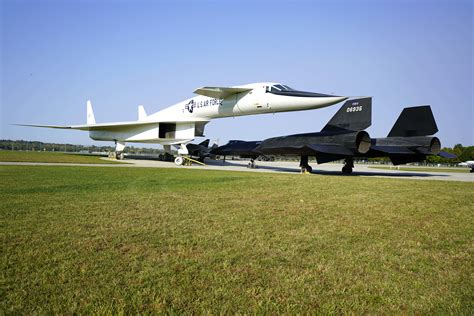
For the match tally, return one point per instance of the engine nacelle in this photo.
(435, 145)
(430, 143)
(363, 142)
(359, 142)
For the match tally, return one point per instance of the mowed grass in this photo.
(136, 240)
(422, 169)
(47, 156)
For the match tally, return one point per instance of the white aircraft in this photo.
(469, 164)
(182, 122)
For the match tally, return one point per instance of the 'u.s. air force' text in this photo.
(191, 105)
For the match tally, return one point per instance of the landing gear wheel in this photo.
(346, 170)
(348, 166)
(251, 164)
(168, 157)
(179, 161)
(304, 165)
(306, 169)
(118, 155)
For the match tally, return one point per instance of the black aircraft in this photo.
(342, 137)
(201, 150)
(409, 139)
(241, 148)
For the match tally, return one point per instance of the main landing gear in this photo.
(348, 166)
(165, 157)
(119, 147)
(252, 164)
(179, 161)
(304, 165)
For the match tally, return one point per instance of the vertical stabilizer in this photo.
(204, 143)
(141, 113)
(414, 121)
(90, 113)
(354, 115)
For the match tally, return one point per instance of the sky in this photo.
(56, 55)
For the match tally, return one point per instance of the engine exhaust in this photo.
(363, 142)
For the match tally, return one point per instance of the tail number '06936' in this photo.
(354, 109)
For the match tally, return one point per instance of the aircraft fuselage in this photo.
(185, 120)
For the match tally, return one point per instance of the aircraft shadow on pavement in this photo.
(331, 172)
(377, 173)
(219, 163)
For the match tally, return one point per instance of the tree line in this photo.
(462, 153)
(25, 145)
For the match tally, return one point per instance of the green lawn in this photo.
(422, 169)
(137, 240)
(47, 156)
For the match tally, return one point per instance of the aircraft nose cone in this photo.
(339, 99)
(333, 100)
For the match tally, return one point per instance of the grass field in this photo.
(137, 240)
(47, 156)
(422, 169)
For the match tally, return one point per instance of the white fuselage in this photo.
(469, 163)
(245, 103)
(184, 121)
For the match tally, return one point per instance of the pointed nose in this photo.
(326, 101)
(338, 99)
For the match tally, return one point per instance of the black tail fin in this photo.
(204, 143)
(354, 115)
(414, 121)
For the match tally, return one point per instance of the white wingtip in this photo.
(141, 113)
(90, 113)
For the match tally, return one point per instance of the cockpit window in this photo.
(278, 88)
(281, 87)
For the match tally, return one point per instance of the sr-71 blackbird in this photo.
(201, 150)
(344, 137)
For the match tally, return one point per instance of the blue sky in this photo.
(55, 55)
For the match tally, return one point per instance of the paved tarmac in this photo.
(290, 167)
